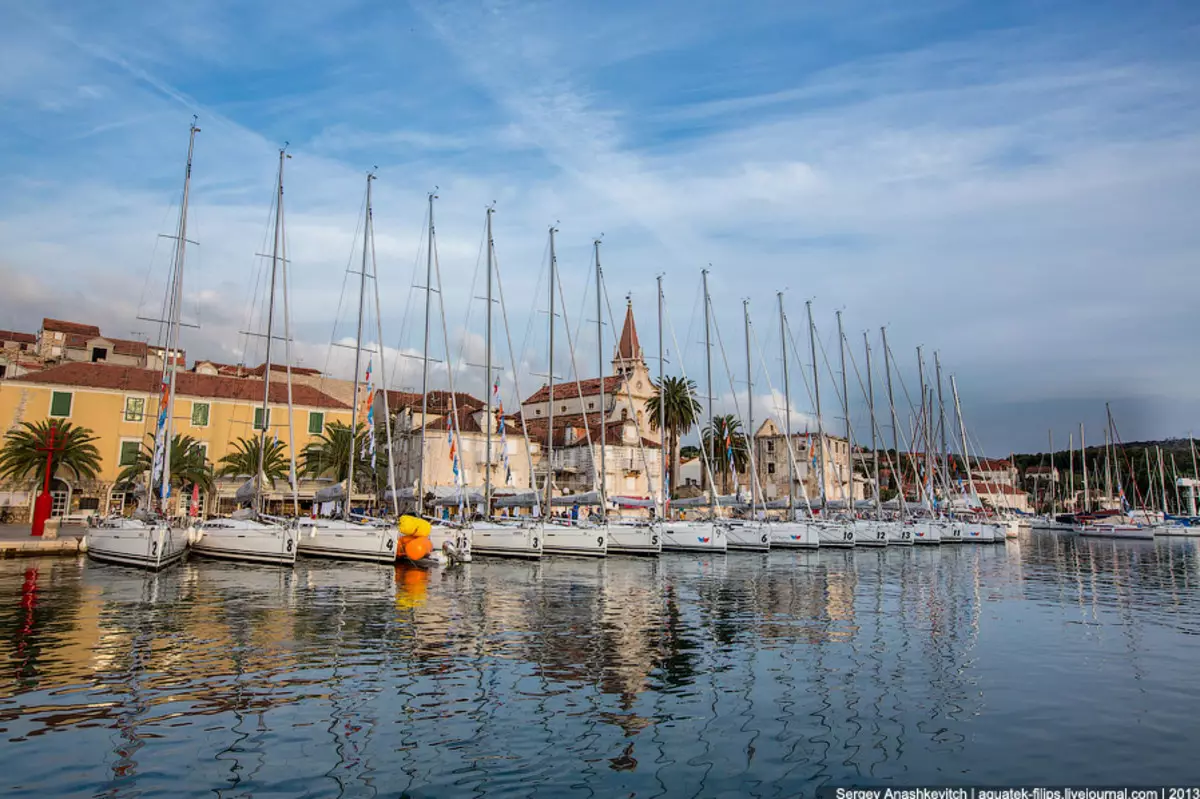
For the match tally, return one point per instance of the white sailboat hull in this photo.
(1177, 530)
(976, 533)
(693, 537)
(953, 532)
(898, 533)
(131, 542)
(748, 537)
(926, 533)
(834, 534)
(631, 539)
(246, 539)
(573, 539)
(458, 540)
(1123, 531)
(869, 534)
(794, 535)
(518, 540)
(341, 540)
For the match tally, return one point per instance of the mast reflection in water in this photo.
(1046, 660)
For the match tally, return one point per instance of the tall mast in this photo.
(1053, 476)
(1162, 480)
(173, 320)
(926, 415)
(387, 415)
(600, 371)
(712, 455)
(812, 345)
(425, 359)
(962, 429)
(550, 379)
(787, 410)
(266, 407)
(1108, 481)
(887, 371)
(362, 298)
(489, 420)
(749, 434)
(1071, 468)
(937, 364)
(1087, 500)
(662, 409)
(874, 440)
(849, 489)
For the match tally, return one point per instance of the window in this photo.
(60, 404)
(135, 409)
(99, 354)
(316, 423)
(770, 468)
(562, 408)
(538, 412)
(258, 419)
(3, 369)
(129, 453)
(200, 414)
(770, 446)
(89, 503)
(591, 405)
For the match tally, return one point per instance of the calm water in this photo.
(1045, 660)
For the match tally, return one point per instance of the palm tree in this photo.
(189, 464)
(23, 453)
(680, 411)
(329, 454)
(243, 461)
(714, 442)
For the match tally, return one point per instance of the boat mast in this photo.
(1053, 475)
(425, 359)
(266, 407)
(489, 420)
(848, 490)
(937, 364)
(887, 371)
(550, 380)
(874, 440)
(1162, 480)
(662, 409)
(387, 415)
(1071, 469)
(170, 367)
(712, 443)
(600, 371)
(812, 345)
(787, 411)
(962, 428)
(362, 298)
(926, 420)
(749, 433)
(1087, 500)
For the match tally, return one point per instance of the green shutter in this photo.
(258, 418)
(135, 409)
(129, 453)
(316, 423)
(200, 414)
(60, 404)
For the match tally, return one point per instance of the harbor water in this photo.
(1043, 660)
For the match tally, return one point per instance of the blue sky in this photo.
(1013, 184)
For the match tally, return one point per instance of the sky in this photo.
(1011, 184)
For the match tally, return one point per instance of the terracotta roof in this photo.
(75, 328)
(628, 348)
(261, 369)
(991, 465)
(467, 423)
(613, 434)
(190, 384)
(21, 338)
(572, 389)
(1040, 470)
(997, 488)
(439, 401)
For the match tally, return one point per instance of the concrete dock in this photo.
(16, 542)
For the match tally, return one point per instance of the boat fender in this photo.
(414, 526)
(417, 547)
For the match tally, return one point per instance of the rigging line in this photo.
(704, 455)
(874, 423)
(787, 442)
(150, 264)
(258, 272)
(537, 292)
(537, 502)
(803, 368)
(699, 298)
(461, 482)
(578, 385)
(358, 226)
(736, 405)
(471, 300)
(399, 366)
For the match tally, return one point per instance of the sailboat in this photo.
(149, 540)
(249, 534)
(897, 531)
(749, 534)
(351, 538)
(1113, 526)
(704, 535)
(793, 532)
(518, 538)
(867, 533)
(976, 528)
(831, 533)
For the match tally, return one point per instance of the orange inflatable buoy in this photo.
(416, 547)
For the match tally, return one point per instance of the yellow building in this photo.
(119, 404)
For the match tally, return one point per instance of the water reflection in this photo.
(748, 674)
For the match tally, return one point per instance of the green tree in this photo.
(243, 461)
(329, 455)
(714, 442)
(189, 464)
(23, 453)
(675, 406)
